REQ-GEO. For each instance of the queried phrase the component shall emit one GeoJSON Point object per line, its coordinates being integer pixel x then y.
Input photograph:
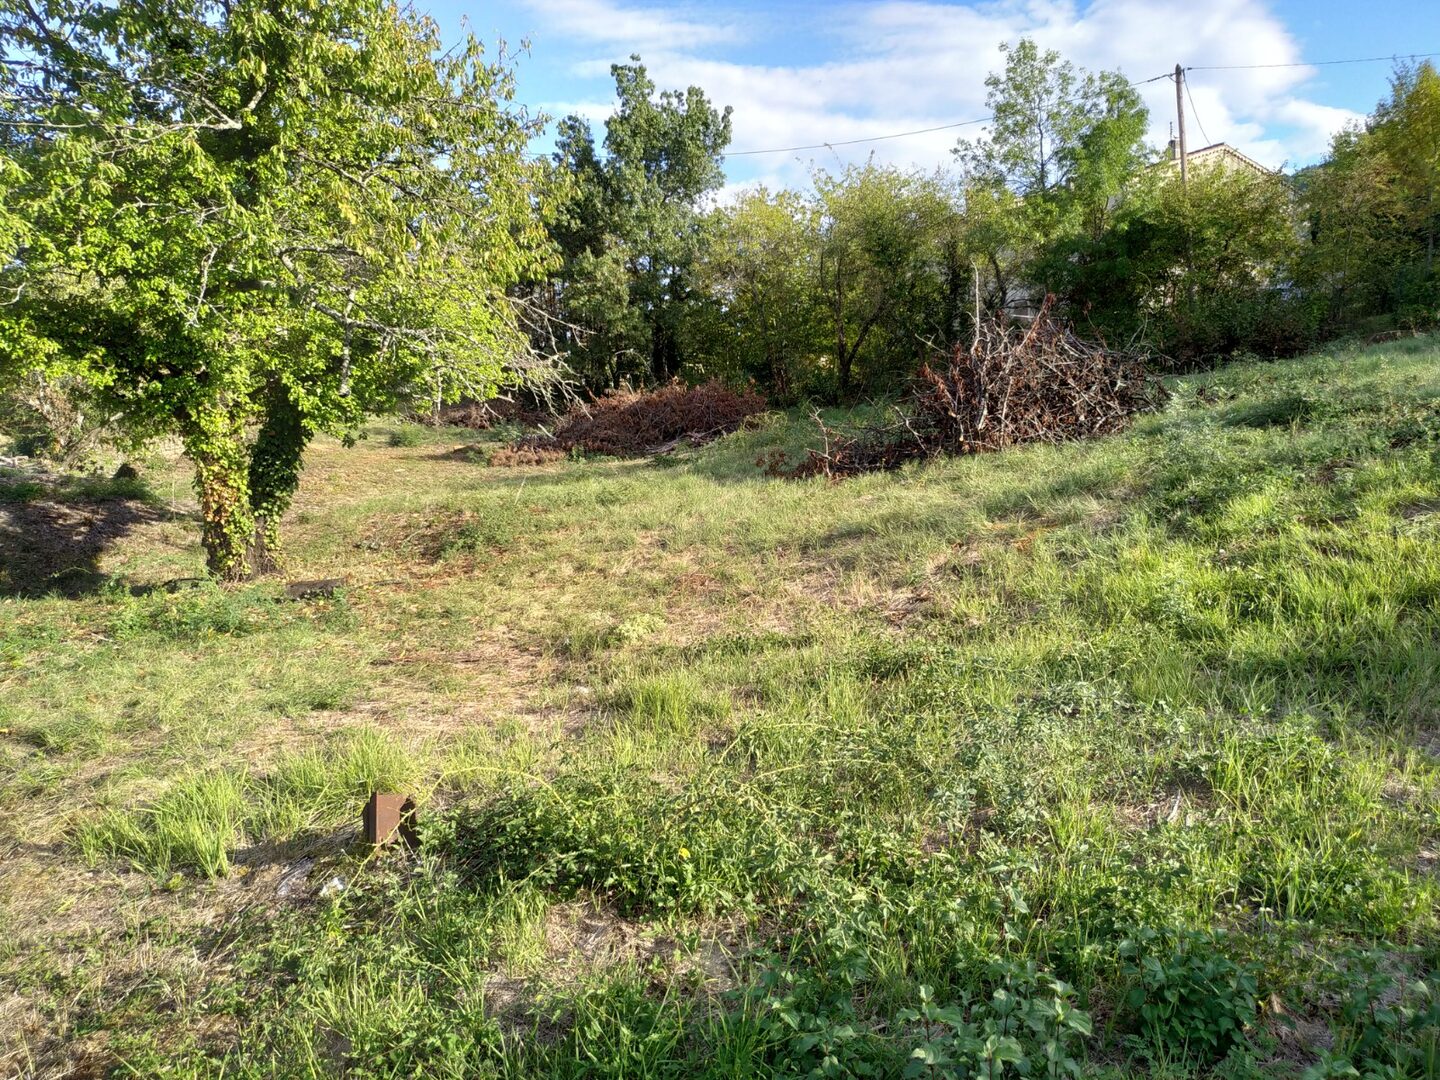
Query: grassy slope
{"type": "Point", "coordinates": [739, 774]}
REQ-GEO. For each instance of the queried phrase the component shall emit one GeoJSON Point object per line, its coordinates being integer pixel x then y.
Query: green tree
{"type": "Point", "coordinates": [1354, 217]}
{"type": "Point", "coordinates": [758, 268]}
{"type": "Point", "coordinates": [248, 221]}
{"type": "Point", "coordinates": [1407, 128]}
{"type": "Point", "coordinates": [885, 250]}
{"type": "Point", "coordinates": [995, 239]}
{"type": "Point", "coordinates": [1199, 270]}
{"type": "Point", "coordinates": [1063, 143]}
{"type": "Point", "coordinates": [630, 231]}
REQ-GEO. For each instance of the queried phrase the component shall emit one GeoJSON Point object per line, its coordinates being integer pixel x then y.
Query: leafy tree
{"type": "Point", "coordinates": [630, 232]}
{"type": "Point", "coordinates": [1407, 129]}
{"type": "Point", "coordinates": [1353, 217]}
{"type": "Point", "coordinates": [1062, 145]}
{"type": "Point", "coordinates": [759, 269]}
{"type": "Point", "coordinates": [248, 221]}
{"type": "Point", "coordinates": [884, 254]}
{"type": "Point", "coordinates": [995, 237]}
{"type": "Point", "coordinates": [1203, 268]}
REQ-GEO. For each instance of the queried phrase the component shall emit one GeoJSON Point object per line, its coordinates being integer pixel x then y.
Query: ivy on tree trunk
{"type": "Point", "coordinates": [215, 442]}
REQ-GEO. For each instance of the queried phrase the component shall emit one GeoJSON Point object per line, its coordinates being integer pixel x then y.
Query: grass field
{"type": "Point", "coordinates": [1114, 759]}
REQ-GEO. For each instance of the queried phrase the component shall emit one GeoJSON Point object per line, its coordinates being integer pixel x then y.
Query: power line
{"type": "Point", "coordinates": [1142, 82]}
{"type": "Point", "coordinates": [1313, 63]}
{"type": "Point", "coordinates": [895, 135]}
{"type": "Point", "coordinates": [852, 142]}
{"type": "Point", "coordinates": [1195, 111]}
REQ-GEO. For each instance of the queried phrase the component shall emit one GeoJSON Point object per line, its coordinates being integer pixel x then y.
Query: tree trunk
{"type": "Point", "coordinates": [273, 476]}
{"type": "Point", "coordinates": [842, 353]}
{"type": "Point", "coordinates": [216, 444]}
{"type": "Point", "coordinates": [664, 354]}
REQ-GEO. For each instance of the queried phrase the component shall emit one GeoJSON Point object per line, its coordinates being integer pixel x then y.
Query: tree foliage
{"type": "Point", "coordinates": [1193, 270]}
{"type": "Point", "coordinates": [1063, 145]}
{"type": "Point", "coordinates": [249, 221]}
{"type": "Point", "coordinates": [852, 284]}
{"type": "Point", "coordinates": [846, 287]}
{"type": "Point", "coordinates": [1353, 217]}
{"type": "Point", "coordinates": [759, 269]}
{"type": "Point", "coordinates": [1407, 129]}
{"type": "Point", "coordinates": [883, 270]}
{"type": "Point", "coordinates": [630, 230]}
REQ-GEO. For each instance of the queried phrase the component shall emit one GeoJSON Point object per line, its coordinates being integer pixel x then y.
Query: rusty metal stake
{"type": "Point", "coordinates": [389, 816]}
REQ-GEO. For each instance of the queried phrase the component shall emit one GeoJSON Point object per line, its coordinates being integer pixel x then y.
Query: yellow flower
{"type": "Point", "coordinates": [684, 853]}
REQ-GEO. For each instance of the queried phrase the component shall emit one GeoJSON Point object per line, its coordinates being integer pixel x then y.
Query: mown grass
{"type": "Point", "coordinates": [1115, 758]}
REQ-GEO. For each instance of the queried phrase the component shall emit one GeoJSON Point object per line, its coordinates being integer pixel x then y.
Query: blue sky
{"type": "Point", "coordinates": [800, 73]}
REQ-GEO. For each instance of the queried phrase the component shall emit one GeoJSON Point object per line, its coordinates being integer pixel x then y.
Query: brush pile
{"type": "Point", "coordinates": [1013, 385]}
{"type": "Point", "coordinates": [483, 415]}
{"type": "Point", "coordinates": [630, 423]}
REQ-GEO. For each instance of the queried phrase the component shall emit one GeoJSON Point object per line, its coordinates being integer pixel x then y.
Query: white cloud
{"type": "Point", "coordinates": [596, 112]}
{"type": "Point", "coordinates": [900, 65]}
{"type": "Point", "coordinates": [1314, 124]}
{"type": "Point", "coordinates": [634, 27]}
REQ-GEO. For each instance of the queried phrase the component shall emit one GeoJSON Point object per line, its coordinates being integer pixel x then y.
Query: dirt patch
{"type": "Point", "coordinates": [585, 936]}
{"type": "Point", "coordinates": [107, 941]}
{"type": "Point", "coordinates": [1182, 807]}
{"type": "Point", "coordinates": [512, 456]}
{"type": "Point", "coordinates": [1419, 509]}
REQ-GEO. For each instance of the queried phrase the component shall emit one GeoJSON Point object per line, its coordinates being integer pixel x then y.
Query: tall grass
{"type": "Point", "coordinates": [200, 820]}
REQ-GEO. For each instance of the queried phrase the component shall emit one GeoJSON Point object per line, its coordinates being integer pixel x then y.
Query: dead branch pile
{"type": "Point", "coordinates": [518, 454]}
{"type": "Point", "coordinates": [625, 423]}
{"type": "Point", "coordinates": [1014, 384]}
{"type": "Point", "coordinates": [483, 415]}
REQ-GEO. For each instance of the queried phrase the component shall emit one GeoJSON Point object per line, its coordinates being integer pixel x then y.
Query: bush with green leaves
{"type": "Point", "coordinates": [56, 419]}
{"type": "Point", "coordinates": [1027, 1025]}
{"type": "Point", "coordinates": [1388, 1025]}
{"type": "Point", "coordinates": [1188, 1000]}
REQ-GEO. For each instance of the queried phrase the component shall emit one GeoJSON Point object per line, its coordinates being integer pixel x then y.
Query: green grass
{"type": "Point", "coordinates": [198, 822]}
{"type": "Point", "coordinates": [1117, 755]}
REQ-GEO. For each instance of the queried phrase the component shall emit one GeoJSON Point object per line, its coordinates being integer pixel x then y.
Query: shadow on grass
{"type": "Point", "coordinates": [52, 535]}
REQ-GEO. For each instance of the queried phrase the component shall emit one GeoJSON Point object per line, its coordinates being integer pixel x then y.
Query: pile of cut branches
{"type": "Point", "coordinates": [627, 423]}
{"type": "Point", "coordinates": [1014, 384]}
{"type": "Point", "coordinates": [483, 415]}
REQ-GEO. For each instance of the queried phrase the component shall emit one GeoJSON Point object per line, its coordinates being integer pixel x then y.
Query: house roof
{"type": "Point", "coordinates": [1216, 152]}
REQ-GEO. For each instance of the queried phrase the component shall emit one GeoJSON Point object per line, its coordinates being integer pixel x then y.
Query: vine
{"type": "Point", "coordinates": [274, 475]}
{"type": "Point", "coordinates": [215, 441]}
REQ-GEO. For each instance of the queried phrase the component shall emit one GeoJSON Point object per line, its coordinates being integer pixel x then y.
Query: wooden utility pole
{"type": "Point", "coordinates": [1180, 112]}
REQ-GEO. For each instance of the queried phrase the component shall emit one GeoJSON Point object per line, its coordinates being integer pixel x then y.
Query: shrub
{"type": "Point", "coordinates": [1388, 1026]}
{"type": "Point", "coordinates": [53, 419]}
{"type": "Point", "coordinates": [405, 435]}
{"type": "Point", "coordinates": [1028, 1026]}
{"type": "Point", "coordinates": [1259, 320]}
{"type": "Point", "coordinates": [1189, 1000]}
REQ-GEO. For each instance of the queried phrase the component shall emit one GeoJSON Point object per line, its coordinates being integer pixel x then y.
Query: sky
{"type": "Point", "coordinates": [802, 73]}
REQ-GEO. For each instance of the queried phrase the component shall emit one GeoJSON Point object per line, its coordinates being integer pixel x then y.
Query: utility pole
{"type": "Point", "coordinates": [1180, 112]}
